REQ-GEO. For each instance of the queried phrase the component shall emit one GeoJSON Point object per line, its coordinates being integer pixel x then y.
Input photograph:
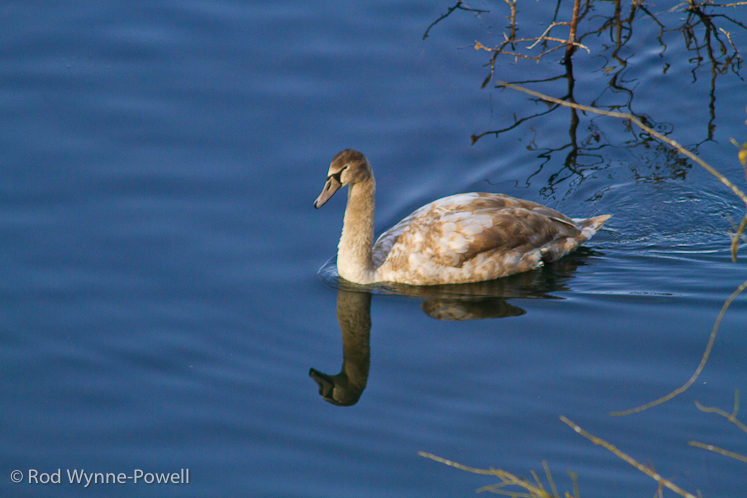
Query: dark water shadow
{"type": "Point", "coordinates": [461, 302]}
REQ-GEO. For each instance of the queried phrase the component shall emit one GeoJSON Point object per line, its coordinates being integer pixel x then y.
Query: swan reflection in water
{"type": "Point", "coordinates": [354, 317]}
{"type": "Point", "coordinates": [461, 302]}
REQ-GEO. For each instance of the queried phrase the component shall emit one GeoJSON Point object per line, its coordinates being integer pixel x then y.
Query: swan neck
{"type": "Point", "coordinates": [354, 317]}
{"type": "Point", "coordinates": [354, 262]}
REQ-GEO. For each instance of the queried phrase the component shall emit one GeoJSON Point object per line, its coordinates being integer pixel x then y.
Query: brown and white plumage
{"type": "Point", "coordinates": [456, 239]}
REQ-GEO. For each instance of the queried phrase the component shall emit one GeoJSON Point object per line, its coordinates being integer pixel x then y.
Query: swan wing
{"type": "Point", "coordinates": [470, 237]}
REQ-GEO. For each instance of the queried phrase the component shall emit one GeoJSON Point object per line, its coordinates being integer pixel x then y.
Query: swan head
{"type": "Point", "coordinates": [347, 168]}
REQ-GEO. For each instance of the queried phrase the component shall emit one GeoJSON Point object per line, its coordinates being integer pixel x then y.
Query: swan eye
{"type": "Point", "coordinates": [338, 176]}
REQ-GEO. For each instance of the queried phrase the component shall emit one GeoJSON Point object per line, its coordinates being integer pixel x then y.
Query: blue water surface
{"type": "Point", "coordinates": [161, 307]}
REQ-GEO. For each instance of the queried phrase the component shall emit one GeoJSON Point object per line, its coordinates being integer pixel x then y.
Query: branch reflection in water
{"type": "Point", "coordinates": [605, 30]}
{"type": "Point", "coordinates": [462, 302]}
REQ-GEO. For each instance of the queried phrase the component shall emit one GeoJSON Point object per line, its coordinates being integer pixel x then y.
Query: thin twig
{"type": "Point", "coordinates": [574, 22]}
{"type": "Point", "coordinates": [627, 458]}
{"type": "Point", "coordinates": [728, 37]}
{"type": "Point", "coordinates": [736, 238]}
{"type": "Point", "coordinates": [542, 36]}
{"type": "Point", "coordinates": [731, 417]}
{"type": "Point", "coordinates": [452, 9]}
{"type": "Point", "coordinates": [512, 18]}
{"type": "Point", "coordinates": [700, 368]}
{"type": "Point", "coordinates": [516, 55]}
{"type": "Point", "coordinates": [637, 122]}
{"type": "Point", "coordinates": [507, 478]}
{"type": "Point", "coordinates": [724, 452]}
{"type": "Point", "coordinates": [480, 46]}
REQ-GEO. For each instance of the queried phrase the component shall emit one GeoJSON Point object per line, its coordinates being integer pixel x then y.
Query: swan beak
{"type": "Point", "coordinates": [330, 188]}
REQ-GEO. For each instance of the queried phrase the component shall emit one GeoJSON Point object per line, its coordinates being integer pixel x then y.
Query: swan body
{"type": "Point", "coordinates": [457, 239]}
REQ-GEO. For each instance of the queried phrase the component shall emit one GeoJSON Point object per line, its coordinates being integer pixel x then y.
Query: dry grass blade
{"type": "Point", "coordinates": [507, 479]}
{"type": "Point", "coordinates": [623, 456]}
{"type": "Point", "coordinates": [574, 479]}
{"type": "Point", "coordinates": [548, 475]}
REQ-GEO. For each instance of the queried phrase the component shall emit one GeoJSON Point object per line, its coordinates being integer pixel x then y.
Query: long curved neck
{"type": "Point", "coordinates": [354, 261]}
{"type": "Point", "coordinates": [354, 317]}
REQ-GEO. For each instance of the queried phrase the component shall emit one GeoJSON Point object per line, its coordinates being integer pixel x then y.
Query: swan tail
{"type": "Point", "coordinates": [562, 246]}
{"type": "Point", "coordinates": [590, 226]}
